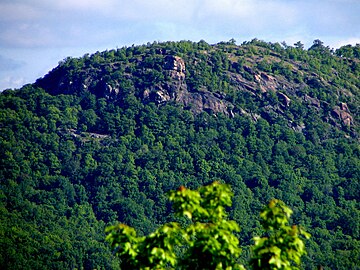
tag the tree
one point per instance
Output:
(283, 248)
(299, 45)
(207, 242)
(206, 239)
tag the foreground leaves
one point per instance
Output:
(208, 240)
(283, 247)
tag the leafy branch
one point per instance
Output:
(208, 241)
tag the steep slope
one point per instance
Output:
(223, 78)
(104, 137)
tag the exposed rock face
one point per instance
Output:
(342, 112)
(243, 84)
(262, 83)
(204, 101)
(107, 90)
(176, 65)
(344, 107)
(266, 82)
(176, 90)
(312, 101)
(315, 81)
(284, 99)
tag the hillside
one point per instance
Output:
(104, 137)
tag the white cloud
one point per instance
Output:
(81, 5)
(228, 8)
(337, 43)
(12, 12)
(11, 82)
(44, 27)
(71, 23)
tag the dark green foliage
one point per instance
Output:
(207, 240)
(69, 145)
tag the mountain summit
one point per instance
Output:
(223, 78)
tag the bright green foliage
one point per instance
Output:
(283, 247)
(156, 251)
(212, 244)
(207, 242)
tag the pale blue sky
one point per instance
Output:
(36, 34)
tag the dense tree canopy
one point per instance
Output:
(104, 137)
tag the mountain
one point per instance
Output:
(104, 137)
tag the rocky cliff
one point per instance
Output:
(222, 78)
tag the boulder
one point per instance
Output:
(342, 113)
(284, 99)
(313, 101)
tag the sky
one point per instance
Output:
(36, 34)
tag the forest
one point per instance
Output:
(104, 138)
